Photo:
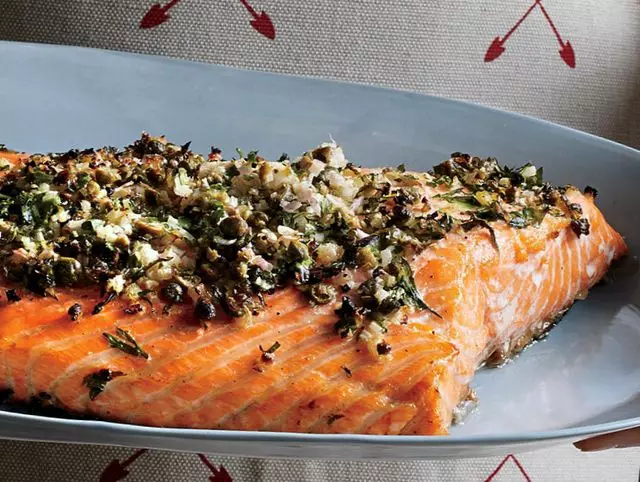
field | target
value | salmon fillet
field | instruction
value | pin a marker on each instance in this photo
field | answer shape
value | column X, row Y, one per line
column 489, row 287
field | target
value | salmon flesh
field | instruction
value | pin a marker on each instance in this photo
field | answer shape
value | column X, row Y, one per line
column 353, row 351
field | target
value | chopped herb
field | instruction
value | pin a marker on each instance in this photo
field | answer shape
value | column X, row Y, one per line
column 125, row 342
column 96, row 382
column 409, row 286
column 157, row 215
column 269, row 354
column 82, row 180
column 75, row 311
column 347, row 371
column 348, row 319
column 100, row 306
column 469, row 225
column 252, row 156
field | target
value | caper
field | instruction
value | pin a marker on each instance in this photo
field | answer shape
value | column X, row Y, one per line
column 93, row 188
column 264, row 245
column 75, row 311
column 258, row 220
column 234, row 227
column 204, row 310
column 67, row 271
column 104, row 177
column 323, row 293
column 390, row 304
column 154, row 146
column 297, row 251
column 366, row 258
column 401, row 213
column 155, row 178
column 173, row 292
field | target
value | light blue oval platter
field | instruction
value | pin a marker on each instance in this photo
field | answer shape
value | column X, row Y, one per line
column 584, row 379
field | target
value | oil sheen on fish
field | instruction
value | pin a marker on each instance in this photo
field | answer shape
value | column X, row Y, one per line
column 155, row 286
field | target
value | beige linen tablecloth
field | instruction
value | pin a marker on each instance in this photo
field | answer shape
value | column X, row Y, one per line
column 25, row 461
column 435, row 47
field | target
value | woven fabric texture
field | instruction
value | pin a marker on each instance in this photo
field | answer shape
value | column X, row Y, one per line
column 24, row 461
column 433, row 47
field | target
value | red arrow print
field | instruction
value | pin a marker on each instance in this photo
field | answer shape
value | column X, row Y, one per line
column 116, row 470
column 261, row 22
column 496, row 49
column 504, row 461
column 219, row 474
column 157, row 14
column 566, row 50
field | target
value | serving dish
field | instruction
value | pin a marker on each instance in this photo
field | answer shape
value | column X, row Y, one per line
column 584, row 379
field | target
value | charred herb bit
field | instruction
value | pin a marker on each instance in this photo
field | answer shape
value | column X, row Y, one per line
column 349, row 318
column 269, row 354
column 100, row 306
column 383, row 348
column 580, row 226
column 125, row 342
column 75, row 311
column 333, row 417
column 12, row 296
column 133, row 309
column 204, row 310
column 96, row 382
column 347, row 371
column 591, row 191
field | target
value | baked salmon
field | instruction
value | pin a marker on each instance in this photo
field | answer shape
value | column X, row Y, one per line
column 155, row 286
